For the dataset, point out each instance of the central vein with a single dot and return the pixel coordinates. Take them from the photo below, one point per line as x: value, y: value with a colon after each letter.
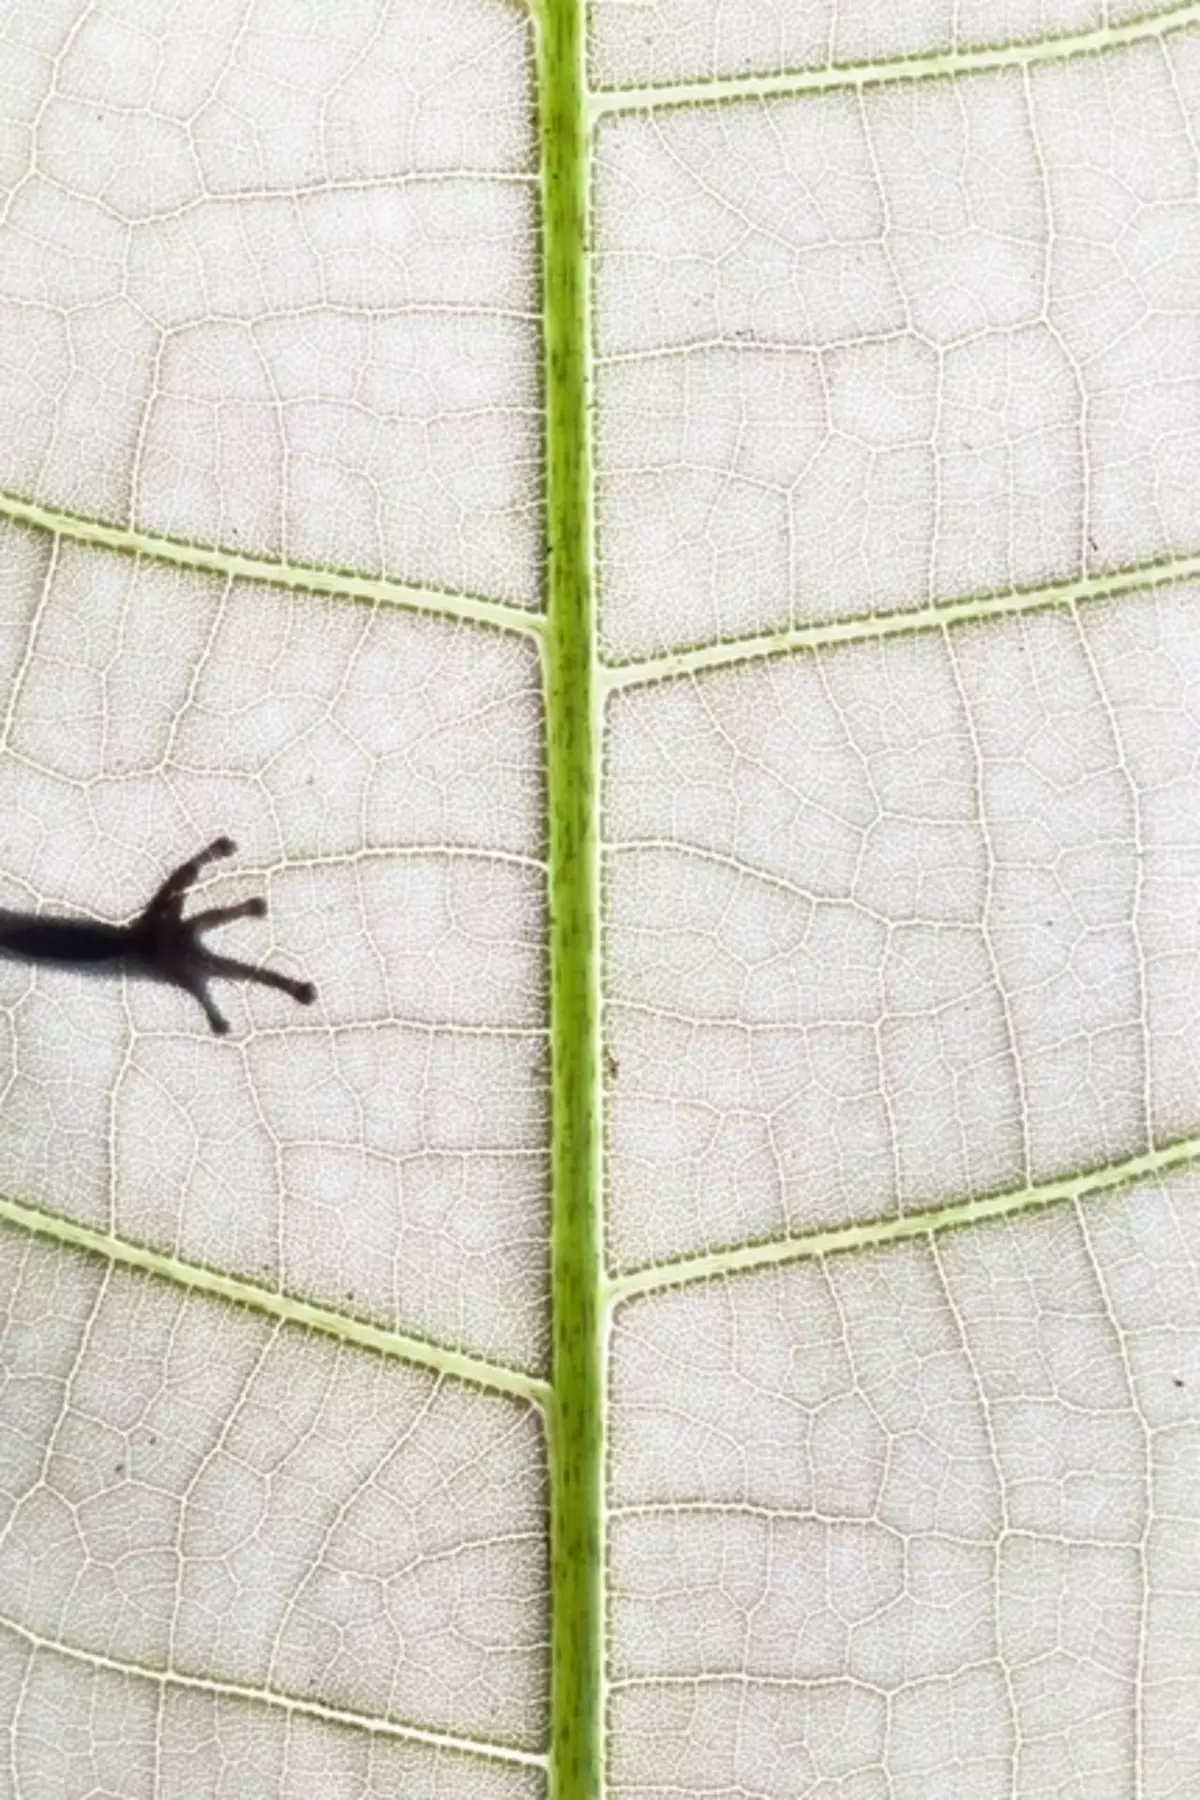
x: 575, y: 1412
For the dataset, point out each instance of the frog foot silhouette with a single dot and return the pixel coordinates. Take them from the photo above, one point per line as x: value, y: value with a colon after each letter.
x: 160, y: 943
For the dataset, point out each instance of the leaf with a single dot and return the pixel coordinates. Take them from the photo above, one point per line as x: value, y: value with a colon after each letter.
x: 680, y: 583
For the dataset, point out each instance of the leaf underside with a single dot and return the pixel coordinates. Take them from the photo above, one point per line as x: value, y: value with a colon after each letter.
x: 668, y: 537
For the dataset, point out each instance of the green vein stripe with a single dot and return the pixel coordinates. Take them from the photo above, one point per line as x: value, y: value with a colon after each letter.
x: 1183, y: 1155
x: 234, y: 565
x: 273, y: 1305
x: 273, y: 1699
x: 867, y: 628
x: 575, y: 1418
x: 926, y: 66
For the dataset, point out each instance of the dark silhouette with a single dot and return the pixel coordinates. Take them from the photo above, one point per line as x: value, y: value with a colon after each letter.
x: 160, y: 943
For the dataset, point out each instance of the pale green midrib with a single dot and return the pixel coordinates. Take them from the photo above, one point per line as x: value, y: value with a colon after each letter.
x: 934, y: 65
x: 272, y: 1304
x: 1182, y: 1154
x: 272, y: 1698
x: 234, y: 565
x: 868, y: 628
x: 575, y: 1415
